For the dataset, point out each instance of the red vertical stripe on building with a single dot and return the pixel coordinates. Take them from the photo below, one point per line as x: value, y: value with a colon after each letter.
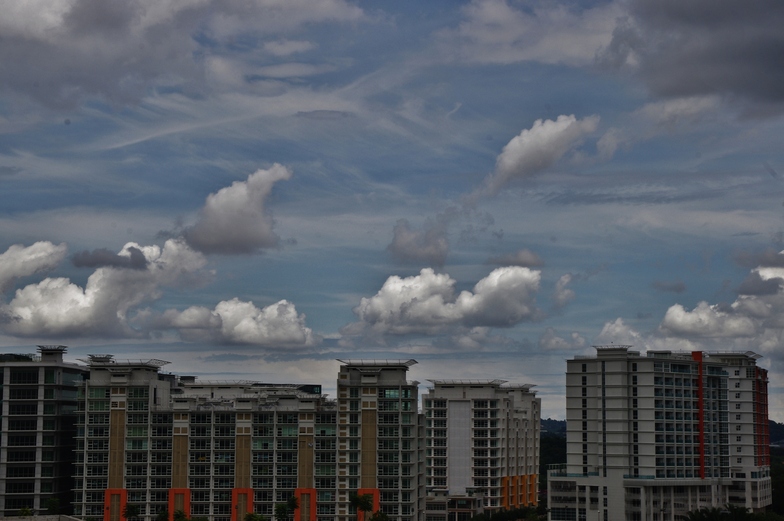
x: 697, y: 357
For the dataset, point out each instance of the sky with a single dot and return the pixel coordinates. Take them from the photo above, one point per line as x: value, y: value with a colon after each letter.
x: 253, y: 189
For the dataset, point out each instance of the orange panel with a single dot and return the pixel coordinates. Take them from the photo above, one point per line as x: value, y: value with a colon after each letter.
x: 376, y: 500
x: 311, y: 493
x: 236, y: 493
x: 179, y: 493
x: 114, y: 502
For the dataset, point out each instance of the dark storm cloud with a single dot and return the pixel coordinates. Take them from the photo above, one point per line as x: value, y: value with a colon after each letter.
x: 102, y: 257
x: 675, y: 286
x: 704, y: 47
x: 769, y: 258
x: 756, y: 285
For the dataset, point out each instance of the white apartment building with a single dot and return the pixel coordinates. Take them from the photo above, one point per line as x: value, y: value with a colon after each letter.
x: 651, y: 437
x: 482, y: 440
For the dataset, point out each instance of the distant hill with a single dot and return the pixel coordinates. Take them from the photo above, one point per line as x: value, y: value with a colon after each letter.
x: 554, y: 427
x: 776, y: 433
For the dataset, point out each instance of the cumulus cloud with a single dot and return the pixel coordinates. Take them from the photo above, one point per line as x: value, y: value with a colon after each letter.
x: 754, y: 284
x: 61, y: 51
x: 131, y: 258
x: 496, y: 31
x: 706, y: 320
x: 535, y: 150
x: 524, y: 257
x: 702, y: 47
x: 22, y: 261
x: 57, y: 307
x: 427, y: 303
x: 563, y: 294
x: 234, y: 220
x: 550, y: 341
x: 239, y: 322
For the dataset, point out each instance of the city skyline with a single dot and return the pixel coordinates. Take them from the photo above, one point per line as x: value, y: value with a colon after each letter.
x: 252, y: 190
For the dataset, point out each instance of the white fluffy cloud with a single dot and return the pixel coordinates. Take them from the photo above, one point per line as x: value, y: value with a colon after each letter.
x: 58, y: 307
x: 234, y: 220
x: 426, y: 303
x: 706, y: 321
x: 22, y: 261
x: 238, y: 322
x: 536, y: 149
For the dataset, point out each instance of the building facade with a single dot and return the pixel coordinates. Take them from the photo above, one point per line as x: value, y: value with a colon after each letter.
x: 482, y: 447
x: 380, y: 438
x: 652, y: 437
x: 37, y: 428
x: 223, y: 449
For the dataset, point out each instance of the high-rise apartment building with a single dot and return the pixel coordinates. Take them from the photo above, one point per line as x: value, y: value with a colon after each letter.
x: 210, y: 449
x: 482, y: 454
x: 38, y: 398
x: 223, y: 449
x: 652, y: 437
x: 380, y: 438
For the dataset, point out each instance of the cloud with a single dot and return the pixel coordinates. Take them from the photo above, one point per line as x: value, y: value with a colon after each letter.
x: 233, y: 220
x: 494, y: 31
x: 562, y: 294
x: 287, y: 47
x: 427, y: 304
x: 703, y: 47
x: 706, y: 321
x: 56, y: 307
x: 754, y: 284
x: 535, y: 150
x: 524, y: 257
x: 767, y: 258
x: 675, y: 286
x: 429, y: 244
x: 550, y: 341
x: 62, y: 51
x: 238, y: 322
x: 132, y: 258
x: 21, y: 261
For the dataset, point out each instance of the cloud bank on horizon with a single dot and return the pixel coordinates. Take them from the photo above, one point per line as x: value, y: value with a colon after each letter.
x: 490, y: 186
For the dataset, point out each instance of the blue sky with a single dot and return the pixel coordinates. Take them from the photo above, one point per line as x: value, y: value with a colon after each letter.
x: 255, y: 189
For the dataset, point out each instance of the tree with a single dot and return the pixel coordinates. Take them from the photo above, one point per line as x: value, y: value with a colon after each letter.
x: 162, y: 515
x: 252, y: 516
x: 131, y: 511
x: 281, y: 512
x: 292, y: 504
x: 363, y: 503
x: 179, y: 515
x: 25, y: 512
x: 52, y: 505
x: 379, y: 516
